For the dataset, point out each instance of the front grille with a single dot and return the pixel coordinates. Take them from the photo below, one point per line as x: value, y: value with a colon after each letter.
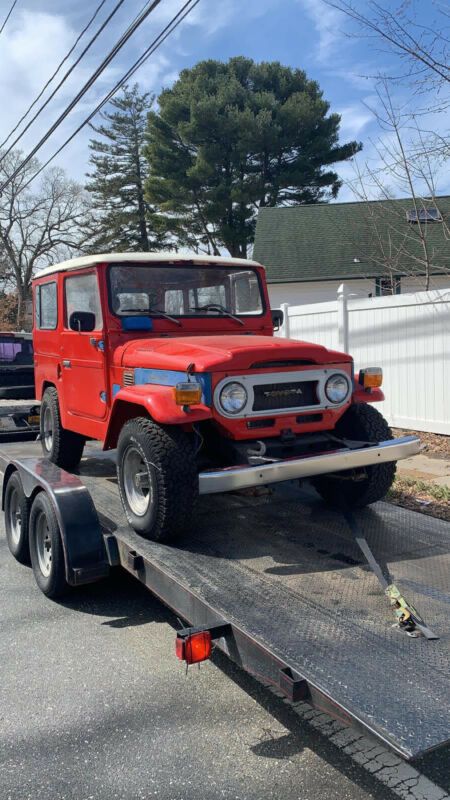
x: 296, y: 394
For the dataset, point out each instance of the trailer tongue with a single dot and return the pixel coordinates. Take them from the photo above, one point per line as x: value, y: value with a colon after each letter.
x: 282, y: 587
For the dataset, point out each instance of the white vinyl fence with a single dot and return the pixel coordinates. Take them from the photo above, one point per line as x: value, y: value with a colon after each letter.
x: 408, y: 335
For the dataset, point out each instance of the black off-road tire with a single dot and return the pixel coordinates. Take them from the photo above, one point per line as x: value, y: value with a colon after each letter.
x: 17, y: 511
x: 64, y: 448
x: 167, y: 456
x: 52, y: 583
x: 360, y: 422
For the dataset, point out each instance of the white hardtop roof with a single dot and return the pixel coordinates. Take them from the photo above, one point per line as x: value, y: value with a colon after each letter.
x: 150, y: 258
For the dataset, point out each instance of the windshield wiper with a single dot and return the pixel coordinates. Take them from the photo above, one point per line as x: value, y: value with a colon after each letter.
x: 219, y: 308
x: 150, y: 311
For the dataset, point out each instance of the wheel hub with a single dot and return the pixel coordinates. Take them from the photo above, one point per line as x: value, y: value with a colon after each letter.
x: 43, y: 545
x: 47, y: 429
x: 15, y: 518
x: 138, y: 482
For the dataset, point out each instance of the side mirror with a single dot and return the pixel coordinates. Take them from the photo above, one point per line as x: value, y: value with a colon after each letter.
x: 277, y: 318
x: 82, y: 321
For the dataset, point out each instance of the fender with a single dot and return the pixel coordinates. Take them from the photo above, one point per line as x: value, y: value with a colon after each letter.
x: 157, y: 401
x: 81, y: 535
x: 361, y: 395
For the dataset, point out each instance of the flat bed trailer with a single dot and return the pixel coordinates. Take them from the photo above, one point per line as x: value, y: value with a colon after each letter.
x: 282, y: 586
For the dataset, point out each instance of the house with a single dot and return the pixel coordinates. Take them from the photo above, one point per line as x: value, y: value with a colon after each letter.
x: 376, y: 247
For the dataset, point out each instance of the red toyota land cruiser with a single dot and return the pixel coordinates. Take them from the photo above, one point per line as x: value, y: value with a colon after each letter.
x: 172, y: 360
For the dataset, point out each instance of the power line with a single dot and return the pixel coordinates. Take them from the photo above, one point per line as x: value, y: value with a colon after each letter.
x: 63, y: 80
x: 176, y: 20
x: 106, y: 61
x: 8, y: 16
x: 52, y: 77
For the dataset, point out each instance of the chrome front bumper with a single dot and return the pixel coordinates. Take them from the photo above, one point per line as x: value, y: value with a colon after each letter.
x: 233, y: 478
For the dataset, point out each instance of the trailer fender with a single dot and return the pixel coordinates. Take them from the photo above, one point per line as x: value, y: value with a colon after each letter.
x: 82, y: 540
x: 154, y: 401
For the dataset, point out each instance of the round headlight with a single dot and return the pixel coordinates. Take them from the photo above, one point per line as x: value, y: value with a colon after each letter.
x: 233, y: 398
x: 336, y: 388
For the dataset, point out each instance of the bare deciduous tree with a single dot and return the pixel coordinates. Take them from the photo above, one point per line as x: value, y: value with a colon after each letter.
x: 37, y: 227
x: 423, y: 49
x: 409, y: 237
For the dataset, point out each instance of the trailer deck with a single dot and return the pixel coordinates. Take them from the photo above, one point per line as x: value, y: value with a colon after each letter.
x: 303, y: 607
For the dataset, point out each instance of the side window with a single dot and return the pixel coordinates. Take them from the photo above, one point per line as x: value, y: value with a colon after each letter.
x: 46, y: 306
x: 82, y: 294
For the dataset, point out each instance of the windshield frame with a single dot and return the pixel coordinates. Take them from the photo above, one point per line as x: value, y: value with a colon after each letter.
x: 188, y: 265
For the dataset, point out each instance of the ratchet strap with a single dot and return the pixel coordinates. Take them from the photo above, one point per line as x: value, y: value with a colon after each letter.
x: 408, y: 619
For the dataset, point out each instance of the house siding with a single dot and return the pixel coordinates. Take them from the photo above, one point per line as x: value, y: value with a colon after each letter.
x: 305, y: 292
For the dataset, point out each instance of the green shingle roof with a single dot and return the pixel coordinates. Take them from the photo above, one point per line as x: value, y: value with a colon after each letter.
x: 349, y: 240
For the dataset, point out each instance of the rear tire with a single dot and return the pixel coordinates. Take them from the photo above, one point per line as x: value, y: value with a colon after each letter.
x: 157, y: 478
x: 64, y: 448
x: 17, y: 510
x: 46, y: 550
x: 360, y: 422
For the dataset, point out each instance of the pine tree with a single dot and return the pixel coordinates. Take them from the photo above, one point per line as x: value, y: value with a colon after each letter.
x: 230, y: 138
x: 123, y: 219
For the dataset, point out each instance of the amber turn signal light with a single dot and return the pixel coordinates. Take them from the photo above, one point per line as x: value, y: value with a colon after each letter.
x: 371, y: 377
x: 187, y: 394
x: 194, y: 648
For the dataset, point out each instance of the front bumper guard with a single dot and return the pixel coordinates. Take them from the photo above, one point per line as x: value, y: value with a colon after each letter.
x: 242, y: 477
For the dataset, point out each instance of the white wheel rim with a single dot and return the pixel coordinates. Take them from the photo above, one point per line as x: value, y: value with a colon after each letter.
x: 47, y: 429
x: 43, y: 545
x: 15, y: 517
x: 138, y: 482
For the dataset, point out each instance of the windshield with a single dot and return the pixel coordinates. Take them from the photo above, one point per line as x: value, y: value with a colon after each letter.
x: 186, y: 291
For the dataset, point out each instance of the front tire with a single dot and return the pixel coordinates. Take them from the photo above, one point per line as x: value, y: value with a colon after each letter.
x: 17, y: 510
x: 360, y: 422
x: 157, y: 478
x: 46, y: 550
x: 64, y: 448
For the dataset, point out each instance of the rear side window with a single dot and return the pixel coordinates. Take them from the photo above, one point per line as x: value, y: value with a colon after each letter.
x: 46, y: 306
x: 82, y: 294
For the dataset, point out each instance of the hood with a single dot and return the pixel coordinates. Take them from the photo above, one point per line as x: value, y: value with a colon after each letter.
x: 223, y: 353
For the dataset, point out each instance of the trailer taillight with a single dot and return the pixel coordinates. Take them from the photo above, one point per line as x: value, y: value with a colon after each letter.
x: 194, y: 647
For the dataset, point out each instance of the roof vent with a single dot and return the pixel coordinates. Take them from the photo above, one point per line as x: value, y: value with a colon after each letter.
x: 424, y: 215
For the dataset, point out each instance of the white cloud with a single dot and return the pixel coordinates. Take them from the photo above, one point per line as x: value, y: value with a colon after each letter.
x: 326, y: 21
x: 354, y: 118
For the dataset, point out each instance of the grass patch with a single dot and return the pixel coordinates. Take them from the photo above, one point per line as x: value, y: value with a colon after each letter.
x: 412, y: 486
x: 426, y: 498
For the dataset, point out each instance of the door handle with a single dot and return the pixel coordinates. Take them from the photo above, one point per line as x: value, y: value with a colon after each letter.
x: 67, y: 363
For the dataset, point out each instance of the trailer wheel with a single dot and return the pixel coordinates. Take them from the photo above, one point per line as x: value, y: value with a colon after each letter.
x: 46, y: 550
x: 361, y: 422
x: 62, y: 447
x: 17, y: 510
x: 157, y: 478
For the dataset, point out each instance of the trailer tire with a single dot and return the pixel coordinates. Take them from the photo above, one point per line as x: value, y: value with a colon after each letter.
x: 46, y: 550
x: 17, y: 511
x: 362, y: 422
x: 157, y: 477
x: 64, y: 448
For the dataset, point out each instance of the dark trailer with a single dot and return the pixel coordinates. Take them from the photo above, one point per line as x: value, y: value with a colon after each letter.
x: 277, y: 582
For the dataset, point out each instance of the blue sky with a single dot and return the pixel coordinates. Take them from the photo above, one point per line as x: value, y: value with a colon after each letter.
x: 301, y: 33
